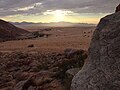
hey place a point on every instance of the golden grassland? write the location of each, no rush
(60, 38)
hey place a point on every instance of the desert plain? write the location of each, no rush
(58, 40)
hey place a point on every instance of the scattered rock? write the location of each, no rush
(84, 35)
(37, 71)
(84, 32)
(43, 80)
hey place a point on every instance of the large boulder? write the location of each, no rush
(102, 68)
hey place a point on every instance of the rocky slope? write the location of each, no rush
(9, 31)
(102, 68)
(37, 71)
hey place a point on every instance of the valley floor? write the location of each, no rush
(59, 39)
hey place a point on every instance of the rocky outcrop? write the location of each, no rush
(118, 8)
(102, 68)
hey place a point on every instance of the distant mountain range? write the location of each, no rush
(53, 24)
(8, 31)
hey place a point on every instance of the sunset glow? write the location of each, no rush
(88, 11)
(59, 15)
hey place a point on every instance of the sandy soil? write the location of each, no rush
(60, 39)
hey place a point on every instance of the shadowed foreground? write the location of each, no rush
(37, 71)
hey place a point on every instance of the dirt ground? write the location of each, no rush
(59, 40)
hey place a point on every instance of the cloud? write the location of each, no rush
(83, 6)
(14, 7)
(8, 4)
(63, 12)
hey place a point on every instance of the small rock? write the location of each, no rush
(31, 45)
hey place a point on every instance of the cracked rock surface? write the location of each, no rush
(102, 68)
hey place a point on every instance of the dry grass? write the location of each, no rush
(60, 39)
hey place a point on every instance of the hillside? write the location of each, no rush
(9, 31)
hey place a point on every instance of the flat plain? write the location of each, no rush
(60, 38)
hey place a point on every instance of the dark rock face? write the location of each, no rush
(118, 8)
(102, 68)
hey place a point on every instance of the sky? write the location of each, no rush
(45, 11)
